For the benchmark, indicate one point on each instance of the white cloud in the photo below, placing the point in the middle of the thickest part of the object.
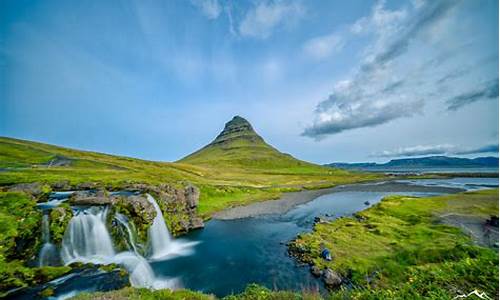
(210, 8)
(394, 80)
(324, 46)
(261, 21)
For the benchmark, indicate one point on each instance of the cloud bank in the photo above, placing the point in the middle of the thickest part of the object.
(443, 149)
(394, 80)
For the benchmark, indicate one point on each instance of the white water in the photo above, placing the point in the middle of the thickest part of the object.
(48, 253)
(159, 237)
(131, 241)
(161, 244)
(87, 240)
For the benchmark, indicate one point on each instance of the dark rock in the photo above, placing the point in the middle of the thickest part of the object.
(237, 128)
(316, 271)
(192, 195)
(331, 278)
(492, 221)
(367, 202)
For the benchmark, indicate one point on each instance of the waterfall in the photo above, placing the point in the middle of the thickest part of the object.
(160, 242)
(122, 219)
(87, 240)
(48, 253)
(159, 237)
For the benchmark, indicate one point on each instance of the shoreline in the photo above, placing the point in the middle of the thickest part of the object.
(292, 199)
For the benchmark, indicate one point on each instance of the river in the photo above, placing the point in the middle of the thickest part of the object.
(229, 254)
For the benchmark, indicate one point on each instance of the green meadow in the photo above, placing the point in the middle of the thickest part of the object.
(232, 174)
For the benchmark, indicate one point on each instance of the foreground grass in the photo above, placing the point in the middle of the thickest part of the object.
(265, 173)
(252, 292)
(399, 249)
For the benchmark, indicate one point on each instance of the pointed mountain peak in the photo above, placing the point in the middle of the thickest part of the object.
(238, 127)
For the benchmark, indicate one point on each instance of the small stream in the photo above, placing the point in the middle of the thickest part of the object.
(227, 255)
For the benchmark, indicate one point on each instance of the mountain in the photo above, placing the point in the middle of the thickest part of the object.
(430, 162)
(239, 146)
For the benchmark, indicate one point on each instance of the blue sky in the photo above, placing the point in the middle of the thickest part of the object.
(322, 80)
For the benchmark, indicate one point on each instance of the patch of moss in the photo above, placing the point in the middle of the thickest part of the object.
(20, 223)
(59, 220)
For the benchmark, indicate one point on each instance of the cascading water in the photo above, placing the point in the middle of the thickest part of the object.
(160, 242)
(87, 240)
(48, 254)
(159, 237)
(122, 219)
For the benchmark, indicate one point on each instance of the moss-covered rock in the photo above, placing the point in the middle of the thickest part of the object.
(139, 211)
(179, 207)
(59, 220)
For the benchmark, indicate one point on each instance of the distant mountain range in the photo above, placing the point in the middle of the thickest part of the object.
(431, 162)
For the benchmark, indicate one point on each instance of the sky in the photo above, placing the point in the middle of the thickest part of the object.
(326, 81)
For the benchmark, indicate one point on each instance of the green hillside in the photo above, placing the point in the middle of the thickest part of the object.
(237, 167)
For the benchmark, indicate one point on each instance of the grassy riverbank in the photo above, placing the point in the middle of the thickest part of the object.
(402, 248)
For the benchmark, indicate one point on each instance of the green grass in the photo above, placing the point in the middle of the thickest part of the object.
(265, 174)
(401, 244)
(144, 294)
(252, 292)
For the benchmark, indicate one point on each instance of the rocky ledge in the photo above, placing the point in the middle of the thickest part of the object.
(178, 204)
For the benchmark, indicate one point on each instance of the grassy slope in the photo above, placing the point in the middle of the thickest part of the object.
(222, 184)
(406, 251)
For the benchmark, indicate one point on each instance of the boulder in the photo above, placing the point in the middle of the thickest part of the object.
(142, 207)
(331, 278)
(316, 271)
(99, 197)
